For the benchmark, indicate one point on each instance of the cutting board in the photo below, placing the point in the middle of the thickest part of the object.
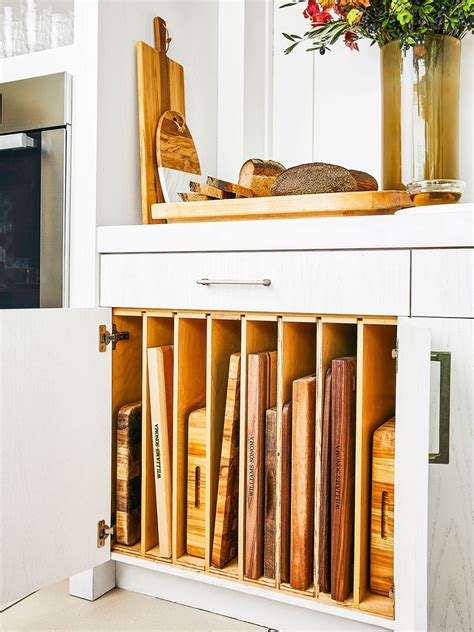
(160, 88)
(381, 523)
(261, 389)
(324, 551)
(285, 491)
(343, 418)
(129, 449)
(160, 374)
(224, 547)
(196, 517)
(302, 482)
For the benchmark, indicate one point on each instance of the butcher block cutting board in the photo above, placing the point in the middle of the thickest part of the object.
(160, 88)
(285, 207)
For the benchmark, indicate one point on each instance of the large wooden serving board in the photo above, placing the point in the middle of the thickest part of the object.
(284, 207)
(160, 88)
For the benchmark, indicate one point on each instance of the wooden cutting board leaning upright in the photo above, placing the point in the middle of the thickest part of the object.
(224, 547)
(129, 450)
(302, 482)
(261, 391)
(160, 88)
(196, 503)
(343, 418)
(324, 551)
(382, 506)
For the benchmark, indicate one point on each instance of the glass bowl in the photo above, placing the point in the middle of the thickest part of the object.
(427, 192)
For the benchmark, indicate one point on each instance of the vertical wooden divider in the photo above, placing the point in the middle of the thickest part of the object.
(375, 406)
(189, 394)
(157, 332)
(336, 338)
(280, 403)
(258, 334)
(223, 339)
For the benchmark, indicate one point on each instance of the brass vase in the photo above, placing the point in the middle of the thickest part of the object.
(420, 111)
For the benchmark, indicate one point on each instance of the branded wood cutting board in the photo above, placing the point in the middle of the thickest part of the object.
(160, 88)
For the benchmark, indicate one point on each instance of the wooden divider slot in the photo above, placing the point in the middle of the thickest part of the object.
(157, 332)
(336, 338)
(376, 405)
(190, 334)
(126, 389)
(257, 336)
(223, 340)
(297, 359)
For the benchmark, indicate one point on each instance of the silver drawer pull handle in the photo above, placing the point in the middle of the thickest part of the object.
(265, 282)
(444, 358)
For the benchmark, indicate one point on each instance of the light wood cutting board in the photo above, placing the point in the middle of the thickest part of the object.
(160, 88)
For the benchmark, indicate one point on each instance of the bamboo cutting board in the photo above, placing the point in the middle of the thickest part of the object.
(302, 482)
(224, 547)
(381, 525)
(160, 88)
(129, 447)
(160, 372)
(262, 371)
(196, 517)
(343, 418)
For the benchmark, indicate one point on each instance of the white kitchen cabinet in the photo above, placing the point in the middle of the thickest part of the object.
(432, 500)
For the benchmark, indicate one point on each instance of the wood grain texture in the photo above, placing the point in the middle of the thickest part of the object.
(262, 372)
(160, 88)
(343, 419)
(196, 484)
(285, 492)
(382, 509)
(189, 395)
(157, 331)
(129, 446)
(269, 529)
(376, 404)
(160, 372)
(226, 522)
(282, 207)
(324, 544)
(302, 483)
(175, 148)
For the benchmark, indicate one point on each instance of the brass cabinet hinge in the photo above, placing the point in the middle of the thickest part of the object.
(103, 532)
(395, 356)
(106, 337)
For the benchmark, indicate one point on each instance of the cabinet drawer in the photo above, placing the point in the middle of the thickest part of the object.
(344, 282)
(442, 283)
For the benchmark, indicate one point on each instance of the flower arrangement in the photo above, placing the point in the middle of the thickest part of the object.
(381, 21)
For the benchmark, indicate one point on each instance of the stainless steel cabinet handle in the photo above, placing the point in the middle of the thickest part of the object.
(444, 358)
(17, 141)
(265, 282)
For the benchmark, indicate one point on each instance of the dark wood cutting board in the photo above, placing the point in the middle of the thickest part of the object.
(160, 88)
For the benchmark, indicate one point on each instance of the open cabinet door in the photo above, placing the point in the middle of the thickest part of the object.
(55, 451)
(411, 475)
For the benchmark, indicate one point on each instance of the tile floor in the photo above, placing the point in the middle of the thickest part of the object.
(119, 610)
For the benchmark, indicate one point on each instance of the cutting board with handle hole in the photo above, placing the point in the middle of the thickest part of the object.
(160, 88)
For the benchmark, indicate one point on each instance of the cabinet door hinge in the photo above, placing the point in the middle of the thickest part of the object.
(106, 337)
(103, 532)
(395, 356)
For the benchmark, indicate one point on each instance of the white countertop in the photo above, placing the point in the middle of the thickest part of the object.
(425, 227)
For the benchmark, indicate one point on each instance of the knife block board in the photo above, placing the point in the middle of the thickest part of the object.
(284, 207)
(160, 88)
(223, 436)
(258, 334)
(376, 403)
(196, 484)
(335, 339)
(382, 509)
(190, 345)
